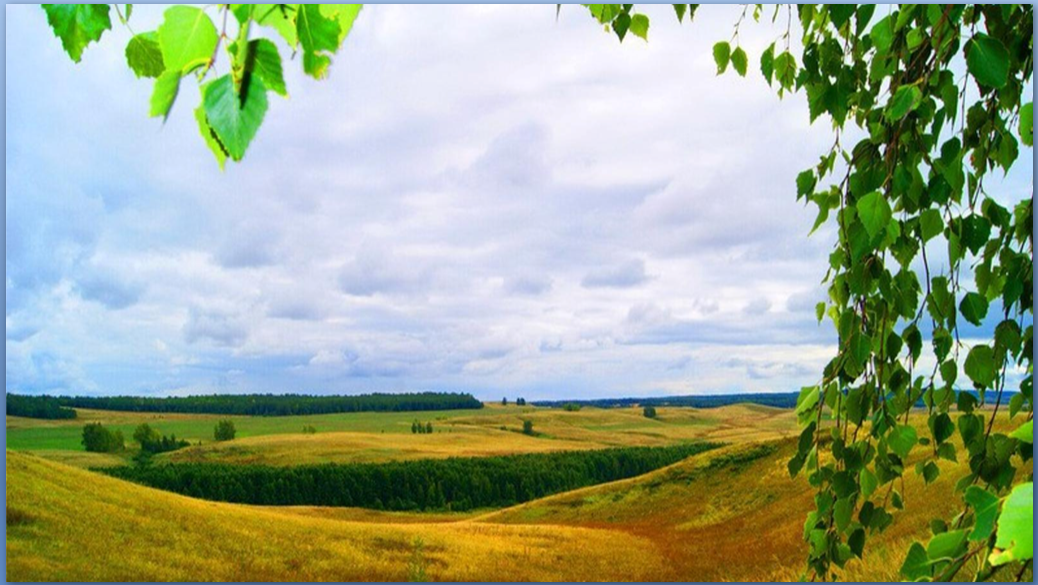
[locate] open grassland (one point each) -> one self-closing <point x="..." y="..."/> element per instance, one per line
<point x="374" y="437"/>
<point x="727" y="514"/>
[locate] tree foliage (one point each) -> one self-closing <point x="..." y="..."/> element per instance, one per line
<point x="98" y="439"/>
<point x="45" y="407"/>
<point x="933" y="98"/>
<point x="271" y="404"/>
<point x="188" y="45"/>
<point x="152" y="442"/>
<point x="224" y="430"/>
<point x="456" y="483"/>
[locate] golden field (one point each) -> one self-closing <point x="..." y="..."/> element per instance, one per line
<point x="728" y="514"/>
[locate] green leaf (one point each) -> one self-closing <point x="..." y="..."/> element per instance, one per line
<point x="640" y="26"/>
<point x="874" y="212"/>
<point x="739" y="61"/>
<point x="906" y="99"/>
<point x="980" y="366"/>
<point x="144" y="56"/>
<point x="974" y="308"/>
<point x="621" y="24"/>
<point x="947" y="545"/>
<point x="868" y="482"/>
<point x="805" y="183"/>
<point x="985" y="509"/>
<point x="345" y="14"/>
<point x="767" y="62"/>
<point x="164" y="92"/>
<point x="901" y="440"/>
<point x="987" y="61"/>
<point x="77" y="25"/>
<point x="1014" y="540"/>
<point x="1027" y="124"/>
<point x="187" y="38"/>
<point x="882" y="35"/>
<point x="316" y="33"/>
<point x="280" y="17"/>
<point x="264" y="61"/>
<point x="1024" y="433"/>
<point x="930" y="224"/>
<point x="234" y="120"/>
<point x="916" y="564"/>
<point x="209" y="135"/>
<point x="722" y="53"/>
<point x="679" y="10"/>
<point x="842" y="513"/>
<point x="942" y="427"/>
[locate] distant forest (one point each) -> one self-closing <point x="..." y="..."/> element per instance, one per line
<point x="455" y="483"/>
<point x="777" y="400"/>
<point x="246" y="404"/>
<point x="37" y="407"/>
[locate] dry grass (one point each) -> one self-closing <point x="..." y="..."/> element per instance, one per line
<point x="81" y="526"/>
<point x="369" y="447"/>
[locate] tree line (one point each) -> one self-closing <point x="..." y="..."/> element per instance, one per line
<point x="244" y="404"/>
<point x="46" y="407"/>
<point x="428" y="484"/>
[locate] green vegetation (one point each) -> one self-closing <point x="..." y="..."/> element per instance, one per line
<point x="44" y="407"/>
<point x="274" y="404"/>
<point x="528" y="427"/>
<point x="649" y="411"/>
<point x="420" y="429"/>
<point x="224" y="430"/>
<point x="98" y="439"/>
<point x="456" y="483"/>
<point x="309" y="430"/>
<point x="152" y="442"/>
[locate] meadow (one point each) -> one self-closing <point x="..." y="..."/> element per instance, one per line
<point x="686" y="521"/>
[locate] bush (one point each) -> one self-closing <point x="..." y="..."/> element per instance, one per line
<point x="309" y="430"/>
<point x="649" y="411"/>
<point x="224" y="430"/>
<point x="152" y="442"/>
<point x="571" y="407"/>
<point x="528" y="427"/>
<point x="98" y="439"/>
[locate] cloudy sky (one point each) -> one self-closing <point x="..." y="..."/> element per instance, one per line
<point x="478" y="199"/>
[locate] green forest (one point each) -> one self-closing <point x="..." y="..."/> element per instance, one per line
<point x="459" y="483"/>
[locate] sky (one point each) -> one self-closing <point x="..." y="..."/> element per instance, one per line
<point x="478" y="198"/>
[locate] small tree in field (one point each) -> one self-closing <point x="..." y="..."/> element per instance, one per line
<point x="528" y="427"/>
<point x="428" y="428"/>
<point x="649" y="411"/>
<point x="504" y="401"/>
<point x="224" y="430"/>
<point x="98" y="439"/>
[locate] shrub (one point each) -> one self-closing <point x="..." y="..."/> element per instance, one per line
<point x="224" y="430"/>
<point x="528" y="427"/>
<point x="649" y="411"/>
<point x="571" y="407"/>
<point x="98" y="439"/>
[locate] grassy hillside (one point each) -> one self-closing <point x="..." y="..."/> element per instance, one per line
<point x="70" y="524"/>
<point x="729" y="514"/>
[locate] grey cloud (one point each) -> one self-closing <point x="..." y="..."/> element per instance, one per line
<point x="108" y="289"/>
<point x="527" y="285"/>
<point x="218" y="327"/>
<point x="374" y="270"/>
<point x="628" y="274"/>
<point x="757" y="306"/>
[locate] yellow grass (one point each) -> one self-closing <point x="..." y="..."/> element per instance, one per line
<point x="370" y="447"/>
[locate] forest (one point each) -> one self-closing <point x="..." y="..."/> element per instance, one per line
<point x="242" y="404"/>
<point x="458" y="483"/>
<point x="46" y="407"/>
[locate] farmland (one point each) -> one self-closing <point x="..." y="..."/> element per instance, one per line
<point x="673" y="523"/>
